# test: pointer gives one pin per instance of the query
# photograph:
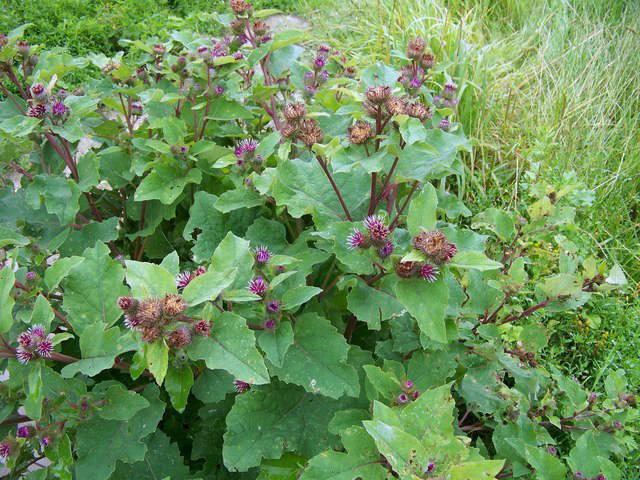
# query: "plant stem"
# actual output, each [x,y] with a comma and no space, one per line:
[404,205]
[323,165]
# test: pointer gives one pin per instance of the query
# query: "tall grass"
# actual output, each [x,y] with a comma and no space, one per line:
[544,81]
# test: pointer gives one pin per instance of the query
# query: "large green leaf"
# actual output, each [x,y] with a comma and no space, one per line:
[166,183]
[275,343]
[427,303]
[422,210]
[276,418]
[149,280]
[7,280]
[92,289]
[231,347]
[208,286]
[317,360]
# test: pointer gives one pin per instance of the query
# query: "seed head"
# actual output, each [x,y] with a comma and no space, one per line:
[310,132]
[179,338]
[396,106]
[151,334]
[428,60]
[289,130]
[360,132]
[150,311]
[418,110]
[173,305]
[240,7]
[378,95]
[406,269]
[294,111]
[415,48]
[435,245]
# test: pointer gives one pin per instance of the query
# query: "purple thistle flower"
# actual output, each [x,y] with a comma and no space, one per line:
[45,347]
[308,75]
[355,240]
[37,331]
[386,250]
[273,306]
[270,324]
[450,251]
[38,91]
[201,270]
[257,286]
[238,56]
[324,49]
[377,228]
[262,254]
[202,328]
[415,395]
[203,50]
[37,111]
[25,339]
[450,88]
[429,272]
[23,432]
[219,90]
[183,279]
[430,467]
[600,476]
[402,398]
[23,355]
[415,82]
[246,147]
[125,303]
[444,124]
[578,475]
[408,384]
[131,321]
[45,441]
[59,109]
[31,276]
[5,451]
[241,386]
[319,62]
[324,75]
[551,450]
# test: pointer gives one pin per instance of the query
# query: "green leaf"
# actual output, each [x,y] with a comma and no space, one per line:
[61,196]
[59,270]
[317,360]
[101,443]
[371,305]
[496,220]
[234,253]
[474,261]
[275,343]
[121,404]
[481,470]
[427,303]
[156,355]
[361,460]
[422,211]
[411,129]
[42,313]
[35,395]
[208,286]
[276,418]
[7,280]
[11,237]
[178,383]
[547,466]
[238,198]
[297,296]
[149,280]
[166,183]
[212,386]
[225,109]
[231,347]
[99,348]
[92,289]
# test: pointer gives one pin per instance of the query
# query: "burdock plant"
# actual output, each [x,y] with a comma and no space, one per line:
[225,257]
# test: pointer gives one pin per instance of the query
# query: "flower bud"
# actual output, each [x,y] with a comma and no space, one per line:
[179,338]
[202,328]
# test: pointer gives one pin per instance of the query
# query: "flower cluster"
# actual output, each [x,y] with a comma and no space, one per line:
[34,342]
[184,278]
[318,74]
[164,318]
[376,236]
[408,394]
[298,127]
[447,97]
[413,75]
[245,152]
[45,104]
[437,250]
